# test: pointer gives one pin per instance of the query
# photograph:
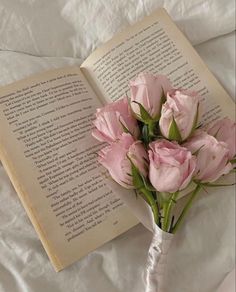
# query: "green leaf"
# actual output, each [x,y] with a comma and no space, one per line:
[152,129]
[137,178]
[174,133]
[163,100]
[145,117]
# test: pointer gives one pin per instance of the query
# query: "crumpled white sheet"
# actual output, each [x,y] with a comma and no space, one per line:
[37,35]
[72,28]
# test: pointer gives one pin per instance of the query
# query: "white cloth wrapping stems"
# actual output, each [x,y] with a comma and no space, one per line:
[155,275]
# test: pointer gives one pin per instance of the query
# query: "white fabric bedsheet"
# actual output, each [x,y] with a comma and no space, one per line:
[37,35]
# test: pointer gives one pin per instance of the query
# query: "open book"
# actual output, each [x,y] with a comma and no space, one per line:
[46,145]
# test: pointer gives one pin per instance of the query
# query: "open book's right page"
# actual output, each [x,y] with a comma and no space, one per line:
[157,46]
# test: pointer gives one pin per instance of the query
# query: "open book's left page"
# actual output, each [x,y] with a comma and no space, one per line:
[48,152]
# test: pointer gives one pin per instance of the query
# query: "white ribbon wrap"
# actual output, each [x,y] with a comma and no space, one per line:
[155,276]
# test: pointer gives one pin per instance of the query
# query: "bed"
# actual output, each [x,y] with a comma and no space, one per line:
[37,35]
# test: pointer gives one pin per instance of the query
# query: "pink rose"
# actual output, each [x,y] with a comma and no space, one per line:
[149,91]
[179,115]
[114,159]
[224,130]
[212,156]
[171,166]
[111,120]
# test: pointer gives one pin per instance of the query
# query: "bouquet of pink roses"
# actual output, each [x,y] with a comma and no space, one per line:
[156,147]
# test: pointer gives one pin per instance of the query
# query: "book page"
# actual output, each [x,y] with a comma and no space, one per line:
[157,46]
[47,150]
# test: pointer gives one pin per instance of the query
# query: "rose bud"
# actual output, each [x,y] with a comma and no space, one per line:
[212,156]
[114,119]
[224,130]
[117,157]
[148,91]
[171,166]
[179,115]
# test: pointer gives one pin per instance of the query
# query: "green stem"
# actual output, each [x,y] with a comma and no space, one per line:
[151,127]
[151,201]
[164,209]
[186,208]
[218,185]
[167,211]
[159,210]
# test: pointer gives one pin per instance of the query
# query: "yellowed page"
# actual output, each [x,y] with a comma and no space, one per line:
[48,152]
[155,45]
